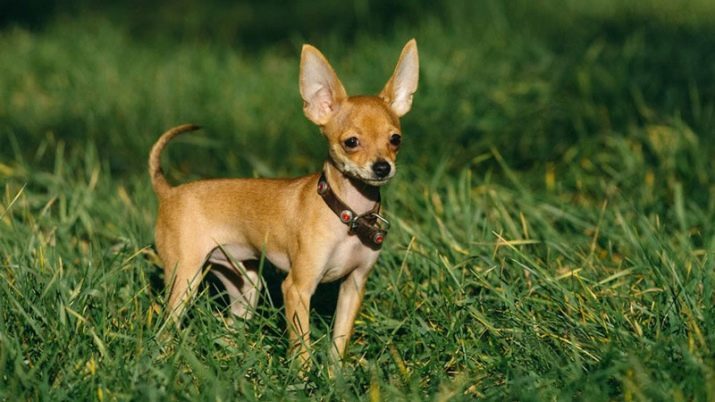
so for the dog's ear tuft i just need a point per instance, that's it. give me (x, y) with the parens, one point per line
(320, 87)
(402, 85)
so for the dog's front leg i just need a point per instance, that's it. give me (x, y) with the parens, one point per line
(298, 288)
(350, 297)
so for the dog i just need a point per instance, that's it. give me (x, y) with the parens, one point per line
(318, 228)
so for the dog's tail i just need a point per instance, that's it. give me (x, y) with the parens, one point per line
(158, 181)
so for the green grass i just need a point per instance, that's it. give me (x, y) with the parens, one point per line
(553, 215)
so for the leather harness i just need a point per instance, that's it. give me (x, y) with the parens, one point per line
(370, 227)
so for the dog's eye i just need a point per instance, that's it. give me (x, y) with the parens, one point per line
(351, 143)
(396, 140)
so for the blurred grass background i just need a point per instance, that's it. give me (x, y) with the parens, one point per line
(553, 210)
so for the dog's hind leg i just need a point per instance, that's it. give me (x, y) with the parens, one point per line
(243, 286)
(182, 276)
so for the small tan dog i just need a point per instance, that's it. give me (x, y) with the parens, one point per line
(318, 228)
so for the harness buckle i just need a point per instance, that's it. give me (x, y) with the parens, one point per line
(383, 223)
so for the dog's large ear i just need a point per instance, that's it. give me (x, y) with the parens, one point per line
(402, 85)
(320, 87)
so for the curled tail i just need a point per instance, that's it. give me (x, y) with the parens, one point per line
(158, 181)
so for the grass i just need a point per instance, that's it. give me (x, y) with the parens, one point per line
(552, 217)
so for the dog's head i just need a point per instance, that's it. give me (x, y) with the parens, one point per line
(363, 131)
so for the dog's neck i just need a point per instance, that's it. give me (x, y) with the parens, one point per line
(358, 195)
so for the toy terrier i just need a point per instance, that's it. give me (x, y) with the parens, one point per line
(318, 228)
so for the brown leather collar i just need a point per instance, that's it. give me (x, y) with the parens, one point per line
(370, 227)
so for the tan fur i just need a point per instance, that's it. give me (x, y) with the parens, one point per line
(233, 222)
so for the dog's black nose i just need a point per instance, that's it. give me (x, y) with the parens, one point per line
(381, 169)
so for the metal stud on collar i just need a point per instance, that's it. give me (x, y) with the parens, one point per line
(378, 237)
(346, 216)
(322, 187)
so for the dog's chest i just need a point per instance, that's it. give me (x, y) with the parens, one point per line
(348, 254)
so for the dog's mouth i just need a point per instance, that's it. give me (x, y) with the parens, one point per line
(362, 174)
(373, 181)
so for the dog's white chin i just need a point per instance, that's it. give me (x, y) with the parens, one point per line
(375, 182)
(364, 175)
(371, 180)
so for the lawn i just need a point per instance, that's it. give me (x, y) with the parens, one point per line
(553, 214)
